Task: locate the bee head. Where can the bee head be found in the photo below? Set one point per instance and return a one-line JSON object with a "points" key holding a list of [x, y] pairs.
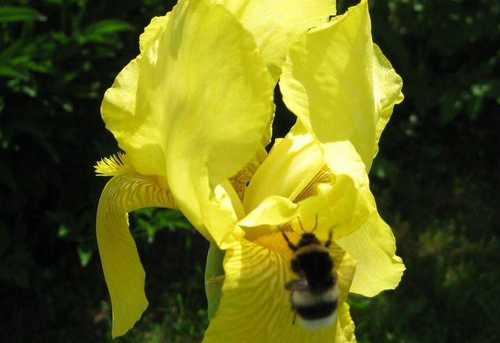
{"points": [[308, 238]]}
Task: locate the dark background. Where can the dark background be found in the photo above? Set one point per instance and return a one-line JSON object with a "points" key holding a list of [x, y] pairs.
{"points": [[436, 177]]}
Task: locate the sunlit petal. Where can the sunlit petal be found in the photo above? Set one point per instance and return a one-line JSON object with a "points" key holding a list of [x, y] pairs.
{"points": [[217, 101], [120, 261], [374, 248], [220, 217], [345, 326], [152, 32], [341, 200], [194, 106], [277, 23], [274, 210], [339, 84], [121, 118], [255, 307], [387, 86], [290, 166]]}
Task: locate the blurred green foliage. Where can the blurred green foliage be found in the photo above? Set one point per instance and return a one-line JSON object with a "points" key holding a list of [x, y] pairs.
{"points": [[436, 177]]}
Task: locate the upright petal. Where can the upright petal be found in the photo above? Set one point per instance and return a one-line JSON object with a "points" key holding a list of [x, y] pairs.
{"points": [[195, 105], [292, 163], [152, 32], [120, 261], [276, 24], [119, 110], [255, 307], [121, 118], [339, 84], [387, 85], [374, 249], [342, 202]]}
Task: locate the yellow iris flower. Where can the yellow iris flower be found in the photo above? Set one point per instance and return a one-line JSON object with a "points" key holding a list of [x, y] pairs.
{"points": [[192, 113]]}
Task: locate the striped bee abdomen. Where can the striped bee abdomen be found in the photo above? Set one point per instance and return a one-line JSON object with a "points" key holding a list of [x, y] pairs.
{"points": [[315, 309]]}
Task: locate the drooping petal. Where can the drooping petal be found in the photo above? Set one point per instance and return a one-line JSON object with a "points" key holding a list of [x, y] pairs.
{"points": [[345, 326], [120, 261], [290, 166], [276, 24], [255, 307], [374, 248], [338, 83]]}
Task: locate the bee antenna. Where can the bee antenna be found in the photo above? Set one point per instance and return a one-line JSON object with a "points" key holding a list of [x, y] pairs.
{"points": [[300, 224], [315, 223], [328, 242]]}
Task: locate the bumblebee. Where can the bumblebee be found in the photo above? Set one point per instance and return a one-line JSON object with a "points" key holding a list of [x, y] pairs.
{"points": [[314, 294]]}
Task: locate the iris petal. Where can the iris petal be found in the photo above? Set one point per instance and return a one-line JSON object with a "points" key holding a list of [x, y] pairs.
{"points": [[387, 85], [195, 106], [290, 166], [352, 199], [152, 32], [276, 24], [339, 84], [120, 261], [373, 247], [274, 210], [255, 307]]}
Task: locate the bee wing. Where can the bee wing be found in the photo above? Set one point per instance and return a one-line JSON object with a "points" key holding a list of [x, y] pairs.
{"points": [[297, 285]]}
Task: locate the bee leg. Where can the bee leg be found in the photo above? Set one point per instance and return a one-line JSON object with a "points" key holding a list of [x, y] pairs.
{"points": [[292, 246], [329, 240], [294, 318]]}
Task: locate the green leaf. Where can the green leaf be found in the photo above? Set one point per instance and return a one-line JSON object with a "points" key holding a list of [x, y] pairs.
{"points": [[63, 231], [8, 71], [85, 255], [100, 31], [9, 14]]}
